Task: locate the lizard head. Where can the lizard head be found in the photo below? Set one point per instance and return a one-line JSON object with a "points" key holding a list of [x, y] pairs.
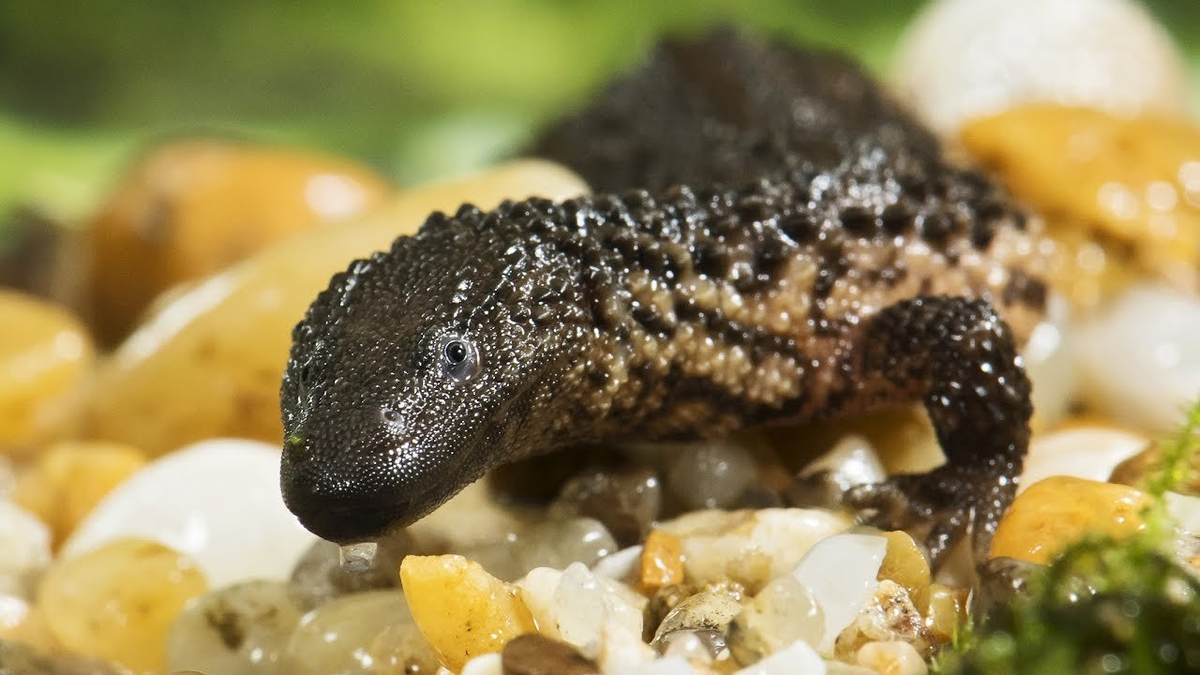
{"points": [[420, 368]]}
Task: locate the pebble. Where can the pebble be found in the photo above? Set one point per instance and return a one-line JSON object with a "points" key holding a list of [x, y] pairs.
{"points": [[576, 606], [851, 461], [622, 651], [118, 602], [620, 566], [472, 518], [319, 577], [709, 475], [1139, 361], [945, 609], [461, 609], [1050, 363], [237, 630], [710, 610], [905, 564], [533, 654], [1053, 513], [627, 501], [20, 621], [888, 616], [24, 549], [1090, 452], [841, 571], [43, 367], [484, 664], [217, 501], [795, 659], [1107, 54], [1000, 580], [892, 657], [661, 562], [68, 480], [1136, 469], [17, 658], [749, 547], [338, 638], [698, 646], [783, 612]]}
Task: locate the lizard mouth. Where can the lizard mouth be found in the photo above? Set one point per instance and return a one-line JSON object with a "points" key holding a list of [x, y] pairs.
{"points": [[351, 522]]}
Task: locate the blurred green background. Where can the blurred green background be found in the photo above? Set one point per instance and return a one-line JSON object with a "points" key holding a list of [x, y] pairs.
{"points": [[415, 88]]}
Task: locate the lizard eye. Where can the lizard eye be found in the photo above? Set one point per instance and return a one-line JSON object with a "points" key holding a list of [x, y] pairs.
{"points": [[460, 359]]}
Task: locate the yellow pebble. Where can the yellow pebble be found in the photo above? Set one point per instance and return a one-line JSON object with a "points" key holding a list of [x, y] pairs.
{"points": [[892, 658], [69, 480], [661, 563], [118, 602], [21, 622], [461, 609], [45, 355], [906, 565], [1052, 513], [946, 610]]}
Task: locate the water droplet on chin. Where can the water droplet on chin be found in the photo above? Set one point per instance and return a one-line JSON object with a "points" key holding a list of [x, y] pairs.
{"points": [[357, 557]]}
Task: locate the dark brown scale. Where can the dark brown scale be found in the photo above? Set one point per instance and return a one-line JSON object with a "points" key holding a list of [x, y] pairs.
{"points": [[793, 247]]}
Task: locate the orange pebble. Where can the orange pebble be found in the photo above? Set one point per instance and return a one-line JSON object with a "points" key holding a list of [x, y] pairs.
{"points": [[661, 563]]}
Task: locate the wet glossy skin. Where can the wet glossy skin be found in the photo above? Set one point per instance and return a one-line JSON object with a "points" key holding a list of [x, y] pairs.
{"points": [[801, 250]]}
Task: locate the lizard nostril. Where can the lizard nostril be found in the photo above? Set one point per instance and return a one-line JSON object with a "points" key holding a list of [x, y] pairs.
{"points": [[390, 415]]}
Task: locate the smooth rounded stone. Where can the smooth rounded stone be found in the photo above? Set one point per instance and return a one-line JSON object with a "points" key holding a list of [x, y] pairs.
{"points": [[622, 651], [237, 630], [697, 646], [1139, 361], [470, 519], [620, 566], [43, 369], [337, 637], [17, 658], [118, 602], [1107, 54], [534, 654], [706, 610], [70, 479], [667, 665], [783, 612], [319, 576], [1090, 452], [749, 547], [558, 543], [1053, 513], [484, 664], [24, 549], [889, 615], [709, 475], [851, 461], [461, 609], [1050, 365], [627, 501], [842, 573], [191, 362], [1135, 470], [893, 657], [798, 657], [400, 649], [575, 606], [661, 562], [1000, 580], [945, 611], [217, 501], [905, 564]]}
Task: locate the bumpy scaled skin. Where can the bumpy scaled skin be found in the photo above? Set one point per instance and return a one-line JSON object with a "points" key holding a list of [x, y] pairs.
{"points": [[858, 275]]}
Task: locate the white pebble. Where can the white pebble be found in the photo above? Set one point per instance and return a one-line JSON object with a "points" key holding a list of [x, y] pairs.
{"points": [[620, 565], [24, 549], [840, 571], [1050, 363], [485, 664], [621, 650], [576, 606], [783, 612], [797, 659], [961, 60], [893, 657], [217, 501], [1083, 452], [669, 665], [1139, 361], [851, 461]]}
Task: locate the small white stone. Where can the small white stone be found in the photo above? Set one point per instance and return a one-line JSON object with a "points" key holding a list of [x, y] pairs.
{"points": [[1083, 452], [851, 461], [1139, 361], [486, 664], [1050, 363], [892, 657], [796, 659], [783, 612], [621, 650], [217, 501], [668, 665], [749, 547], [961, 60], [24, 549], [576, 606], [620, 565], [840, 571]]}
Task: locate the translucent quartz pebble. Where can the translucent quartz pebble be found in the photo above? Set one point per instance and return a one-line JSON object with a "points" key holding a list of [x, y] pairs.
{"points": [[1139, 360], [622, 651], [118, 601], [710, 475], [1051, 365], [24, 548], [749, 547], [17, 658], [851, 461], [472, 518], [794, 659], [1090, 452], [400, 649], [236, 630], [1107, 54], [339, 637], [43, 365], [708, 610], [218, 501], [889, 615], [461, 609], [357, 557], [841, 573], [627, 501], [783, 612], [553, 543], [319, 577], [621, 566], [893, 657], [668, 665], [576, 606], [699, 647]]}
